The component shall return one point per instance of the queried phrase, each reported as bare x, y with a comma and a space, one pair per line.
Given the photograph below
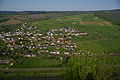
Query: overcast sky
58, 5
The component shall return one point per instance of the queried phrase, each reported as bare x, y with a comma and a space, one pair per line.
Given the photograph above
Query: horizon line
59, 10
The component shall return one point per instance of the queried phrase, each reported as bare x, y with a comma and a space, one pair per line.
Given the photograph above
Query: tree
86, 67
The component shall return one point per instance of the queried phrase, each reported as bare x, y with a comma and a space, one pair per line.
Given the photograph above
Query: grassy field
3, 19
103, 35
115, 60
36, 63
103, 38
31, 73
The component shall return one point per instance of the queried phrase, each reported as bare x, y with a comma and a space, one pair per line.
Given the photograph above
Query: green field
101, 39
3, 19
93, 68
31, 73
37, 63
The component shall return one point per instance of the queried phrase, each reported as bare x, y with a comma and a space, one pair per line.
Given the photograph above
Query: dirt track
32, 69
33, 78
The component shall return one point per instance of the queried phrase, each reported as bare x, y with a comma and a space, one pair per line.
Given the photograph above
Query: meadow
103, 38
36, 63
103, 35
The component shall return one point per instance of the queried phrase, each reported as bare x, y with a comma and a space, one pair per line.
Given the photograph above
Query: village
30, 42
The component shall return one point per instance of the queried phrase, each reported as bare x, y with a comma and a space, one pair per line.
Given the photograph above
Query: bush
91, 68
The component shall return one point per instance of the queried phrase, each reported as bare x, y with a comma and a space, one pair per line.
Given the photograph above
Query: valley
56, 45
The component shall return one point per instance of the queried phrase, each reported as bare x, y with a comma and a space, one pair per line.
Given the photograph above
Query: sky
58, 5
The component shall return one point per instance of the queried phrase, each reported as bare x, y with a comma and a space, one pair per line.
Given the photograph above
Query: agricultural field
103, 35
32, 67
112, 16
59, 45
16, 18
37, 63
3, 19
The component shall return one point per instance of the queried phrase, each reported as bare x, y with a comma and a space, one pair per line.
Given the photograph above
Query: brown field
33, 16
74, 22
96, 23
93, 23
26, 17
10, 22
73, 18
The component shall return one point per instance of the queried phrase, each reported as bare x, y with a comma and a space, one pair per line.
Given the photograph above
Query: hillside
59, 46
113, 16
103, 35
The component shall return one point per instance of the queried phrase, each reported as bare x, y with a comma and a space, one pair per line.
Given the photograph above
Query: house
11, 64
66, 52
28, 55
58, 41
55, 52
33, 55
76, 53
83, 34
61, 58
40, 34
52, 44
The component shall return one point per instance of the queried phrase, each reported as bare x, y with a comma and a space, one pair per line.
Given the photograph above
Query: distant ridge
22, 12
42, 12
